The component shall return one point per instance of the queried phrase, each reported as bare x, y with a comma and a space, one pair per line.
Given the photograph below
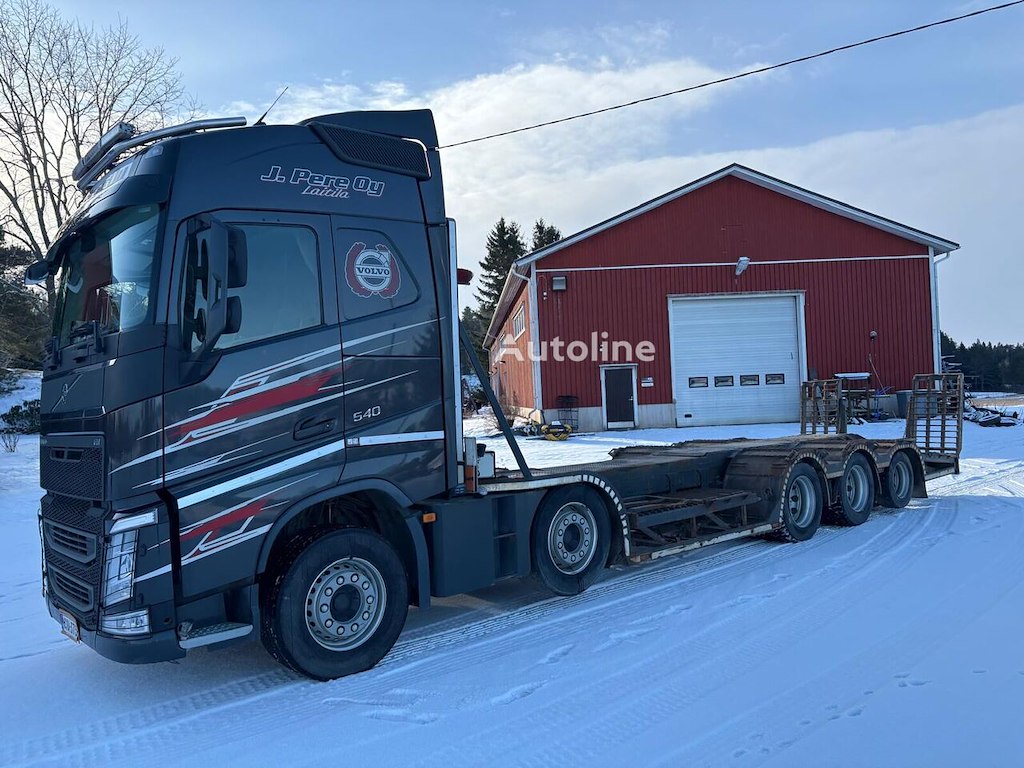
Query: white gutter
933, 279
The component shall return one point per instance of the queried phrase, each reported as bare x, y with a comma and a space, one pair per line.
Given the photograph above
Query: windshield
107, 275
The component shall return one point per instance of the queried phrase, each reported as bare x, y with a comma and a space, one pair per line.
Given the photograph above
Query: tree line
987, 367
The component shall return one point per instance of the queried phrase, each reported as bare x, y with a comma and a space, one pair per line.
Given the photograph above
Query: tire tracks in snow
845, 694
665, 690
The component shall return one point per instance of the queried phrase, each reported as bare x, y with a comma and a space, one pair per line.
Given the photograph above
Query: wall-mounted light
741, 265
558, 283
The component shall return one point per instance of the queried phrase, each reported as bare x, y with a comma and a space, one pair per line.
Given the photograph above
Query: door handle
314, 426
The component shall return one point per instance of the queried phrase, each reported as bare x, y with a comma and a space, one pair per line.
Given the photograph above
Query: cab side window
282, 290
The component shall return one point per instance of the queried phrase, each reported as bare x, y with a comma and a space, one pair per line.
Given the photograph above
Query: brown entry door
619, 388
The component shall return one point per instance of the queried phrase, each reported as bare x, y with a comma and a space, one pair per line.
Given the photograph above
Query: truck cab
252, 338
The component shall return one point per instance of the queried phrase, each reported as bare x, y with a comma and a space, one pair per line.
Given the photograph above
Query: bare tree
62, 84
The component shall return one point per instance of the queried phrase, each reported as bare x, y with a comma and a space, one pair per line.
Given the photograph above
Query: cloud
955, 179
519, 176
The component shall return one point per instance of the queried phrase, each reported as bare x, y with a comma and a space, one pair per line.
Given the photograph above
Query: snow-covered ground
897, 643
27, 389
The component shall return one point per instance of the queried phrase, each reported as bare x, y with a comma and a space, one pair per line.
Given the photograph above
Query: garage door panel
735, 337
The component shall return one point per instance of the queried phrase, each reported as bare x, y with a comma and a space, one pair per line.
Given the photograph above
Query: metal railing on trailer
935, 420
821, 407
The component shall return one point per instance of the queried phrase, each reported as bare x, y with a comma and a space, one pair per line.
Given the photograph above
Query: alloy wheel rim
802, 499
856, 488
572, 538
345, 604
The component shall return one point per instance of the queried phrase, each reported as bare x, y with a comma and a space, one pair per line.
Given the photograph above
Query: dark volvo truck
251, 412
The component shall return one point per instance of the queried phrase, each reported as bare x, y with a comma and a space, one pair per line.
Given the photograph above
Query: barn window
519, 322
750, 380
723, 381
775, 378
558, 283
698, 381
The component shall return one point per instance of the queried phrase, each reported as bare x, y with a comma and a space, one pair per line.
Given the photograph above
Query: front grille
74, 592
70, 542
72, 538
73, 470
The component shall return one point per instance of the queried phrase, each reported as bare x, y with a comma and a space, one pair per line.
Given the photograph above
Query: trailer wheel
336, 605
856, 492
571, 539
898, 482
801, 504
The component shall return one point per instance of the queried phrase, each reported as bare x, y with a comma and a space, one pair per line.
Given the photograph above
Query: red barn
710, 304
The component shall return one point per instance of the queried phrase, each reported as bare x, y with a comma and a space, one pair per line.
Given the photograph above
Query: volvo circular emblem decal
372, 271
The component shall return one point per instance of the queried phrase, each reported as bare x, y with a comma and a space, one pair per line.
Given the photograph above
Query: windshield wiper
91, 328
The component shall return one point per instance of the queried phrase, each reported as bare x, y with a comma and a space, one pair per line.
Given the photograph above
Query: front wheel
571, 539
801, 504
336, 604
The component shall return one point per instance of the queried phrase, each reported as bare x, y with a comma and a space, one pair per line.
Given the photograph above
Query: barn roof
509, 293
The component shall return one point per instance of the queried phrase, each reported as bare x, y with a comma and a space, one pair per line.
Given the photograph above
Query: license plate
69, 626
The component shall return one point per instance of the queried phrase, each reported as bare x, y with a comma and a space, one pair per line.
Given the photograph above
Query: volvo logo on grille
64, 392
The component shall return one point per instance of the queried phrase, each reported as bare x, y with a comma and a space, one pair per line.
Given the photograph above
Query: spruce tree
544, 234
504, 245
475, 328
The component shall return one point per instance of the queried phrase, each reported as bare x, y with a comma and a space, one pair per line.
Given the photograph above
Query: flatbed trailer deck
685, 495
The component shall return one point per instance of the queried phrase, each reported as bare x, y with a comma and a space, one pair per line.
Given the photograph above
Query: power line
739, 76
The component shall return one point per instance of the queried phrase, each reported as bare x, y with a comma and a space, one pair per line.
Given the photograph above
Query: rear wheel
571, 539
856, 492
898, 482
801, 504
336, 605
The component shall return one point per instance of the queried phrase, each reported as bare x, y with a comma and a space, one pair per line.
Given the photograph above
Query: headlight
134, 623
129, 522
119, 569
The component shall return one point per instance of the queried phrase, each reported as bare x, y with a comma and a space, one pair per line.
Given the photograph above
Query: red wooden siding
718, 223
512, 377
727, 219
844, 302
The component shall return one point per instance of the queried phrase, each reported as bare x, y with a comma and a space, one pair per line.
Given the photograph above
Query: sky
927, 129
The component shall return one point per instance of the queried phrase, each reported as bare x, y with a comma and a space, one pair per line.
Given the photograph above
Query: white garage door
736, 360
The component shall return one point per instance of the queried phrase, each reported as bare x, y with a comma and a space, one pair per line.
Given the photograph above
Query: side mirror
221, 263
234, 318
37, 272
238, 258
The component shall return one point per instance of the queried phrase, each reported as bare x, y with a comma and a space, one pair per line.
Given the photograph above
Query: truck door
394, 424
253, 420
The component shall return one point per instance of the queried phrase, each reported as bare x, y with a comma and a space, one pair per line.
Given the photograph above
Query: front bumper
160, 646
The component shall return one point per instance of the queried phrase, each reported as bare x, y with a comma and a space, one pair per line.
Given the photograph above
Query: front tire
802, 502
571, 539
336, 605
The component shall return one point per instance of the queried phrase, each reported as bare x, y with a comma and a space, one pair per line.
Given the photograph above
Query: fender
600, 484
421, 595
